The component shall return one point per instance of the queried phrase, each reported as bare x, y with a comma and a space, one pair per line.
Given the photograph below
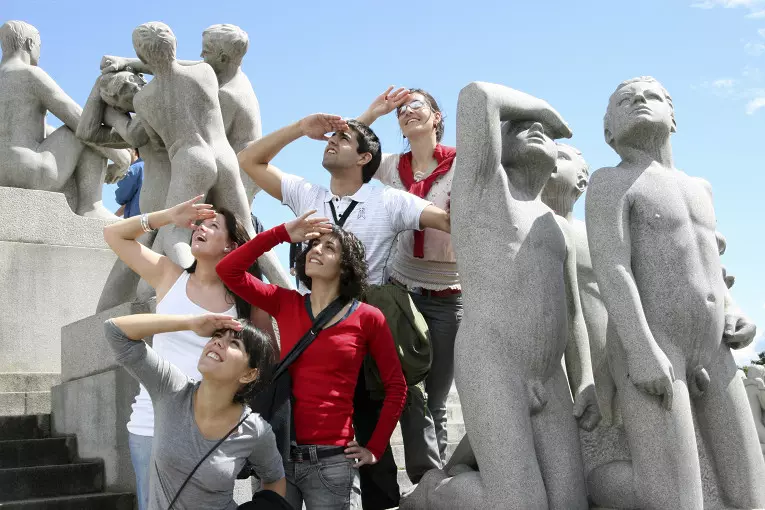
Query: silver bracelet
145, 223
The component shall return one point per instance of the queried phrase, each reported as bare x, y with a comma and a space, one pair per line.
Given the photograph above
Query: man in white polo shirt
375, 215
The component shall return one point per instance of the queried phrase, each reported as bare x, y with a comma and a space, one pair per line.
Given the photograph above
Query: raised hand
739, 331
553, 121
111, 64
317, 126
206, 325
654, 375
363, 456
304, 228
586, 409
388, 101
186, 214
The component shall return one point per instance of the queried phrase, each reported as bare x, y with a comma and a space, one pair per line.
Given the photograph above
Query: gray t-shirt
178, 445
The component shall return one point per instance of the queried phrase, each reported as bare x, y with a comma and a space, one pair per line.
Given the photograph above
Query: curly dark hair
353, 264
260, 350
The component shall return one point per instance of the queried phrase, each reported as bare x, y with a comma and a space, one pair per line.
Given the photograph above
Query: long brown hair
237, 234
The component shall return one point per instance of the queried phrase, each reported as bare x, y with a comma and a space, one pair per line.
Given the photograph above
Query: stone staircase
456, 430
40, 472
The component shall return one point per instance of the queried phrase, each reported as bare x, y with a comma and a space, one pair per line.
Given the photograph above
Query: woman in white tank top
180, 291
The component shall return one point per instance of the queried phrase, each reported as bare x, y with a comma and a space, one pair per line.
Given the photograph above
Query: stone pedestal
95, 396
53, 265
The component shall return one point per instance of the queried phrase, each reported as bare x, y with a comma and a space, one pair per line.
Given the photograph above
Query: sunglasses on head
414, 106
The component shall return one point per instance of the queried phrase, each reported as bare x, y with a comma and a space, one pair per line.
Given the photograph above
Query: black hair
353, 264
368, 142
260, 349
238, 234
434, 108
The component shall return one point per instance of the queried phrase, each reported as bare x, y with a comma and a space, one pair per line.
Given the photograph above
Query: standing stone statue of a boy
654, 249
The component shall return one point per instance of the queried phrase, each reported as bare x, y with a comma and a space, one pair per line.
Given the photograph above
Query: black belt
303, 453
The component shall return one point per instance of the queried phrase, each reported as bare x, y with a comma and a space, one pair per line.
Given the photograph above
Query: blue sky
337, 56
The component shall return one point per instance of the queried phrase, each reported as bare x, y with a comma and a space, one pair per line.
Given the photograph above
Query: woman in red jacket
322, 469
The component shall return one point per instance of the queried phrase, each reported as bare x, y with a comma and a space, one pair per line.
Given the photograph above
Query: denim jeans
443, 315
140, 455
331, 483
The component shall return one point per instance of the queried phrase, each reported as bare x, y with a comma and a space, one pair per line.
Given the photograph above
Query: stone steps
51, 451
49, 481
39, 472
100, 501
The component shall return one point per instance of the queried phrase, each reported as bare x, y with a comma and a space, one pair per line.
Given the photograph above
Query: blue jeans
443, 315
140, 455
331, 483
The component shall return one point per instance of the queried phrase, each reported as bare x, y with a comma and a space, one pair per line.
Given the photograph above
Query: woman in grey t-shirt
191, 417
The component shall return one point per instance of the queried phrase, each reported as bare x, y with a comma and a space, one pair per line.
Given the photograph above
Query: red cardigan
323, 377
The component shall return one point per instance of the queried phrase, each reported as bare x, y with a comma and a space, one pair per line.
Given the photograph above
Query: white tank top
181, 348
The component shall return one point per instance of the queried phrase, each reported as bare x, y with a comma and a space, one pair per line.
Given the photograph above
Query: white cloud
754, 48
723, 83
761, 31
728, 4
756, 14
755, 104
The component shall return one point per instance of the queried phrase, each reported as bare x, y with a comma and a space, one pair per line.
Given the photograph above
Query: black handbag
274, 403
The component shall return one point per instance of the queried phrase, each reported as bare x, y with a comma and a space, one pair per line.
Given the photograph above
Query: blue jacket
129, 189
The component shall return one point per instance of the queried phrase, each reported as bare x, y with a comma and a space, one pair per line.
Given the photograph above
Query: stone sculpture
566, 185
755, 390
106, 122
225, 45
32, 154
671, 322
516, 400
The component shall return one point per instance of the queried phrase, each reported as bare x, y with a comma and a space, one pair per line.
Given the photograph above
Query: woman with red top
323, 470
424, 262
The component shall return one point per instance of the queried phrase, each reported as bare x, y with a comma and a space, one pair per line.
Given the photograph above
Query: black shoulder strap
341, 221
220, 441
318, 324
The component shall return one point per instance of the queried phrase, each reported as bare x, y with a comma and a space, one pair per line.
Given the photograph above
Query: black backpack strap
220, 441
341, 221
318, 324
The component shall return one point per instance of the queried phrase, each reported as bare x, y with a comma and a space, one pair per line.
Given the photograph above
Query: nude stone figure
516, 400
755, 390
655, 254
566, 185
201, 160
105, 121
33, 155
224, 46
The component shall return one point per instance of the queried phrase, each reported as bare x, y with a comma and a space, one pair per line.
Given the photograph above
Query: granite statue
565, 187
672, 323
224, 47
516, 400
32, 154
755, 391
105, 122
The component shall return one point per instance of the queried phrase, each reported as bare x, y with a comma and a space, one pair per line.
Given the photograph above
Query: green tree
760, 361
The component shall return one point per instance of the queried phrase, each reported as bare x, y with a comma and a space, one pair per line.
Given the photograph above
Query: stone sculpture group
624, 322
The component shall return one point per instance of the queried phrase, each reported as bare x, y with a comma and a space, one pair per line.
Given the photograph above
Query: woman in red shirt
322, 470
